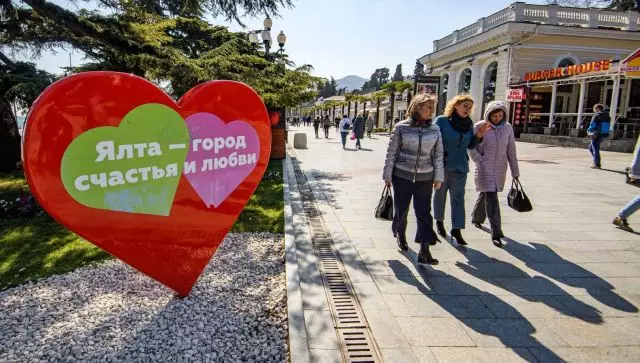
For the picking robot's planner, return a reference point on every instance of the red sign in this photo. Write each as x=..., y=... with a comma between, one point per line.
x=515, y=95
x=572, y=70
x=155, y=183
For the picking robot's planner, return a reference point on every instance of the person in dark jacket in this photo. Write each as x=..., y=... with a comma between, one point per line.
x=414, y=167
x=492, y=155
x=358, y=129
x=326, y=123
x=598, y=130
x=458, y=136
x=316, y=126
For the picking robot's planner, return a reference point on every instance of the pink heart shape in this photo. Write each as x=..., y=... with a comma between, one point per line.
x=229, y=165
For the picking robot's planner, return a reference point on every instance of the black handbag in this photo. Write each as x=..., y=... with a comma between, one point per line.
x=517, y=198
x=384, y=210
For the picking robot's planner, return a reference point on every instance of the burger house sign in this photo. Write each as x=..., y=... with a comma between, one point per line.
x=572, y=70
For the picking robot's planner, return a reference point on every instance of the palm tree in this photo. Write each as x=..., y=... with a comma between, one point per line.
x=378, y=97
x=364, y=99
x=390, y=89
x=350, y=98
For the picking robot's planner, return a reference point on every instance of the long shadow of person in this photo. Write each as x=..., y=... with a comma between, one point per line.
x=536, y=289
x=572, y=274
x=516, y=333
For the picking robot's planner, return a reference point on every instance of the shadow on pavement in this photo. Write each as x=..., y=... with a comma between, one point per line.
x=514, y=332
x=597, y=287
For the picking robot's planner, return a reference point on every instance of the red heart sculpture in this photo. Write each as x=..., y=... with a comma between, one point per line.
x=175, y=248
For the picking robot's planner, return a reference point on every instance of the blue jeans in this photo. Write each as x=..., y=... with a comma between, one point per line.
x=594, y=149
x=343, y=136
x=630, y=208
x=635, y=164
x=454, y=183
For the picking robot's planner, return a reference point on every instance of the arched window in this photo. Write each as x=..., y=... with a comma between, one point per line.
x=565, y=62
x=444, y=87
x=490, y=78
x=464, y=86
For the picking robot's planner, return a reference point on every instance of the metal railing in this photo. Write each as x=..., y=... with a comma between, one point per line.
x=544, y=14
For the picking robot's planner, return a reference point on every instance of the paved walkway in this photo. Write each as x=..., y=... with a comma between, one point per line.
x=566, y=285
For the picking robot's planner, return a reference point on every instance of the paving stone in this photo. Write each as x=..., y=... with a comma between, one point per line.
x=399, y=355
x=369, y=296
x=513, y=333
x=403, y=284
x=320, y=330
x=385, y=329
x=536, y=306
x=443, y=306
x=325, y=355
x=430, y=332
x=424, y=354
x=610, y=332
x=485, y=355
x=586, y=354
x=467, y=286
x=357, y=271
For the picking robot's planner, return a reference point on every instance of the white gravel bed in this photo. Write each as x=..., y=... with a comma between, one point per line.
x=236, y=312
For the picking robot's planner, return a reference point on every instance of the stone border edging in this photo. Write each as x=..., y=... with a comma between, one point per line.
x=298, y=345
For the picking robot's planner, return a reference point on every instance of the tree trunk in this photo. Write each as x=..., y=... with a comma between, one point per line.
x=393, y=103
x=364, y=109
x=9, y=139
x=378, y=113
x=409, y=96
x=355, y=111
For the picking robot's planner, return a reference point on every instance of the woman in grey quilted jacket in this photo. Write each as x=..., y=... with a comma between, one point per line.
x=497, y=149
x=414, y=167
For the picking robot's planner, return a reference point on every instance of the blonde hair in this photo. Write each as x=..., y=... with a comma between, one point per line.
x=418, y=101
x=448, y=110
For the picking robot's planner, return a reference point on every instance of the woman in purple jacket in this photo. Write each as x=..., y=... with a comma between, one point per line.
x=498, y=147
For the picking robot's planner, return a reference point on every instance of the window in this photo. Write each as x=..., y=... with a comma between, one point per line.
x=444, y=86
x=566, y=62
x=464, y=86
x=490, y=78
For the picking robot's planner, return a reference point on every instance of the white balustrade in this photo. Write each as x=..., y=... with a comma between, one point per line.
x=544, y=14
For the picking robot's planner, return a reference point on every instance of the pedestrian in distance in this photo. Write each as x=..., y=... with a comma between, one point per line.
x=337, y=123
x=633, y=175
x=597, y=131
x=369, y=126
x=345, y=126
x=326, y=124
x=458, y=136
x=358, y=130
x=316, y=126
x=413, y=168
x=491, y=156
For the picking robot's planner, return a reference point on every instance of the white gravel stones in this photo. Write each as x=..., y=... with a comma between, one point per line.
x=111, y=313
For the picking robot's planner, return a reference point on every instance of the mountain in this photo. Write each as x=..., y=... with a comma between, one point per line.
x=351, y=82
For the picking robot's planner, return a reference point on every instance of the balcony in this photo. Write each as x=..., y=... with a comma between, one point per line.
x=544, y=14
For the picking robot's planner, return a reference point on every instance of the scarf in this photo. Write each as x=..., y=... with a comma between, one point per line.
x=415, y=122
x=462, y=125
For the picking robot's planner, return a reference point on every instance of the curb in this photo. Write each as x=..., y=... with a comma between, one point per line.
x=298, y=345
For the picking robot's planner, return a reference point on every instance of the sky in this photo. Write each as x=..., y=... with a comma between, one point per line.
x=353, y=37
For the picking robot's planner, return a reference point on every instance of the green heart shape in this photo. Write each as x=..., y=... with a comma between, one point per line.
x=99, y=171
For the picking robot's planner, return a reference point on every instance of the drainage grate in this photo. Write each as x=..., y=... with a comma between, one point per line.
x=355, y=340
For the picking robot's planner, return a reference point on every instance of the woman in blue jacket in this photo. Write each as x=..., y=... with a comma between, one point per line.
x=457, y=137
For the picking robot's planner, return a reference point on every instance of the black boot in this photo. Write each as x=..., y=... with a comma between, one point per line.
x=496, y=238
x=441, y=230
x=455, y=233
x=424, y=256
x=402, y=242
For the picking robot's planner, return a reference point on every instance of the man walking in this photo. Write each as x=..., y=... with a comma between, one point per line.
x=316, y=126
x=326, y=123
x=598, y=130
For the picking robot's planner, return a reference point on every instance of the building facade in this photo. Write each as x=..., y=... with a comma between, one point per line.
x=552, y=63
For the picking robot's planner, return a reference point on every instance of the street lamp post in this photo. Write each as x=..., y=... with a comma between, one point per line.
x=278, y=129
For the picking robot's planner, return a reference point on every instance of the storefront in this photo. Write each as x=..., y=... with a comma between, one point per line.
x=559, y=101
x=551, y=64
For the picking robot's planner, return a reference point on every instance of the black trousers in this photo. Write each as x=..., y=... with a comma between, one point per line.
x=403, y=191
x=487, y=204
x=326, y=131
x=315, y=128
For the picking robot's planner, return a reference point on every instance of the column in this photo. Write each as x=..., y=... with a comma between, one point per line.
x=614, y=101
x=476, y=91
x=452, y=86
x=554, y=95
x=580, y=103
